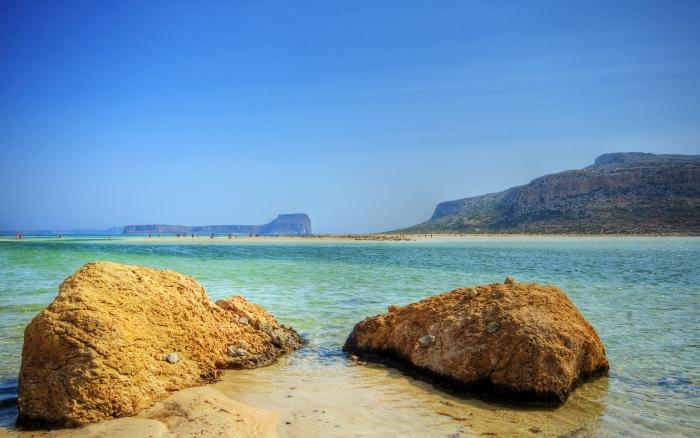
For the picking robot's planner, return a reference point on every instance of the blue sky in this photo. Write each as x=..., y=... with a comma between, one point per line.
x=363, y=115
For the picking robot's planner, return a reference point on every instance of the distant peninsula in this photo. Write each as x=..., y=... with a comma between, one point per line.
x=296, y=224
x=621, y=193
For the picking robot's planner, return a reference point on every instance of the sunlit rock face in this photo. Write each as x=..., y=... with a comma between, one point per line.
x=119, y=338
x=523, y=343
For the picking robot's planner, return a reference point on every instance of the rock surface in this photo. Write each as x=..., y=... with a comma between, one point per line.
x=523, y=343
x=118, y=338
x=620, y=193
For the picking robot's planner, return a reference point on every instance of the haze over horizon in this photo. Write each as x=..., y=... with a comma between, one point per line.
x=363, y=116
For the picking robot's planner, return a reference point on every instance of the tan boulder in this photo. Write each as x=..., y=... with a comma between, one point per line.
x=118, y=338
x=523, y=343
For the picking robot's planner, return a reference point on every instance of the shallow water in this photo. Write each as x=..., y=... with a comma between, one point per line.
x=641, y=294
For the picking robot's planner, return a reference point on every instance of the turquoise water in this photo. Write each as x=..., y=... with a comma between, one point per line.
x=641, y=294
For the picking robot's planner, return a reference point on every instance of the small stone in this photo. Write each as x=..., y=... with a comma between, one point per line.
x=426, y=341
x=243, y=320
x=509, y=280
x=172, y=357
x=236, y=351
x=353, y=357
x=470, y=293
x=278, y=340
x=492, y=327
x=243, y=345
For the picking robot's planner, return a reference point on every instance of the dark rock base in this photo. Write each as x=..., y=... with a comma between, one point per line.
x=483, y=389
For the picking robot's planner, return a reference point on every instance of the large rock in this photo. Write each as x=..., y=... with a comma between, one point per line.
x=516, y=342
x=118, y=338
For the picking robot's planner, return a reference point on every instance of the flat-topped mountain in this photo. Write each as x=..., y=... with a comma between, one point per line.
x=287, y=224
x=626, y=192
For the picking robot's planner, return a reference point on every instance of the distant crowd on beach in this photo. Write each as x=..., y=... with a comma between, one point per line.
x=196, y=236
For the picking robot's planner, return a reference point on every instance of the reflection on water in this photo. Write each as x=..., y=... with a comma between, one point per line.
x=641, y=294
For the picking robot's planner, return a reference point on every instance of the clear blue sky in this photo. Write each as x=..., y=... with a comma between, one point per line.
x=363, y=115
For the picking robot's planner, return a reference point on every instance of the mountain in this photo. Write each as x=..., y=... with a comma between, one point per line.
x=626, y=192
x=287, y=224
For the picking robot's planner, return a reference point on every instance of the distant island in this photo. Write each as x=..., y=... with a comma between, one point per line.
x=621, y=193
x=295, y=224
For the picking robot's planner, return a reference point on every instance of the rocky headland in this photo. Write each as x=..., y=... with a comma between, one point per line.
x=119, y=338
x=522, y=343
x=294, y=224
x=621, y=193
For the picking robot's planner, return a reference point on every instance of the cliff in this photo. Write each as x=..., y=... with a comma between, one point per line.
x=627, y=192
x=287, y=224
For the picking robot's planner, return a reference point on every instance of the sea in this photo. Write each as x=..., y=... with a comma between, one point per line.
x=641, y=294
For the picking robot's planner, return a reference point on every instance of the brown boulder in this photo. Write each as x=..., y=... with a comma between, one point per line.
x=520, y=342
x=118, y=338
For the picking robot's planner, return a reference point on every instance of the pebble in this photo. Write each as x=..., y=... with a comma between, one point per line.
x=470, y=293
x=426, y=341
x=172, y=357
x=243, y=320
x=509, y=280
x=278, y=340
x=492, y=327
x=236, y=351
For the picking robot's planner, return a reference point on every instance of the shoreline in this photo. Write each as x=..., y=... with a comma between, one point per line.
x=331, y=238
x=298, y=396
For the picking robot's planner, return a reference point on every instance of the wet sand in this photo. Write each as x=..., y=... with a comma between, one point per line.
x=364, y=400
